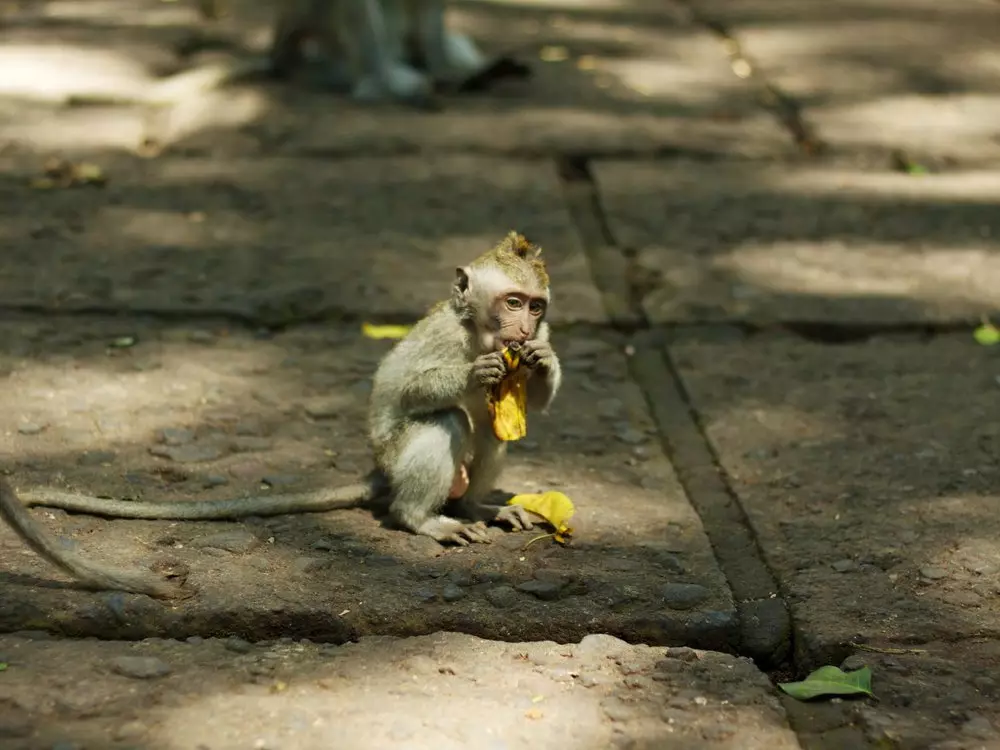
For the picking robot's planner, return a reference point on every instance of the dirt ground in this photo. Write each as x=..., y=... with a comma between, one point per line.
x=198, y=413
x=441, y=691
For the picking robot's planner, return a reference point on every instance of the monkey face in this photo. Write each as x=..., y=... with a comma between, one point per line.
x=516, y=315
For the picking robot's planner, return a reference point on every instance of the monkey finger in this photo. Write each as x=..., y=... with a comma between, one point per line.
x=476, y=532
x=518, y=518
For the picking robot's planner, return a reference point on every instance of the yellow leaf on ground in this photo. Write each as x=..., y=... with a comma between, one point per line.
x=553, y=506
x=374, y=331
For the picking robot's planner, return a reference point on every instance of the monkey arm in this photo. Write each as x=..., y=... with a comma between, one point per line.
x=435, y=388
x=546, y=377
x=543, y=385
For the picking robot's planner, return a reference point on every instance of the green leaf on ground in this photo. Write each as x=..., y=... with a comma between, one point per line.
x=987, y=334
x=830, y=681
x=3, y=666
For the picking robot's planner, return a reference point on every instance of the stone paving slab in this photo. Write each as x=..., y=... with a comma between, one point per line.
x=770, y=242
x=288, y=413
x=630, y=80
x=441, y=691
x=279, y=239
x=868, y=471
x=873, y=75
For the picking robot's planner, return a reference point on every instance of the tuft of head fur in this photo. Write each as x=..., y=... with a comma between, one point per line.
x=519, y=258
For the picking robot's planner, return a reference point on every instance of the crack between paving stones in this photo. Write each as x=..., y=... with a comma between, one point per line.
x=764, y=619
x=770, y=96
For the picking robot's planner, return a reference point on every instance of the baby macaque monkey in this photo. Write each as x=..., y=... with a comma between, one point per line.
x=428, y=424
x=373, y=46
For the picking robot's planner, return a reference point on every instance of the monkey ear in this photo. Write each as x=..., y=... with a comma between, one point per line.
x=461, y=280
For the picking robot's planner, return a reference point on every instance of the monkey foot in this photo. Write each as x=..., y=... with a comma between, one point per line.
x=460, y=483
x=518, y=518
x=445, y=529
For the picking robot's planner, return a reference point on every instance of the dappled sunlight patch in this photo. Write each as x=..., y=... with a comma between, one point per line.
x=871, y=269
x=954, y=185
x=55, y=73
x=957, y=124
x=86, y=401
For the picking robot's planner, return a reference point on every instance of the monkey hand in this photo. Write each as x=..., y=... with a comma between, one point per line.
x=489, y=369
x=537, y=354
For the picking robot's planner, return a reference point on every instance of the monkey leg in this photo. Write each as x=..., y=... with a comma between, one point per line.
x=448, y=57
x=384, y=75
x=422, y=473
x=483, y=474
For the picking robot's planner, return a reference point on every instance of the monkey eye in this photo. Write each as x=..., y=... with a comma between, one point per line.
x=537, y=307
x=514, y=303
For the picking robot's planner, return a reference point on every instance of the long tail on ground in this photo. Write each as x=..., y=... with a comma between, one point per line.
x=92, y=575
x=319, y=501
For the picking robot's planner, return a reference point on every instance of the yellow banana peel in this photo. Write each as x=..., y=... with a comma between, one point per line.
x=508, y=403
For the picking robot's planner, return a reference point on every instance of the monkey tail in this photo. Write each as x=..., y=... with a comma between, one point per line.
x=91, y=574
x=348, y=496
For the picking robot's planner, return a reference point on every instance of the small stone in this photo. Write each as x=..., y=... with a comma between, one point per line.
x=460, y=578
x=844, y=566
x=30, y=428
x=630, y=436
x=130, y=730
x=933, y=573
x=96, y=458
x=600, y=644
x=201, y=337
x=452, y=593
x=187, y=454
x=214, y=480
x=279, y=480
x=247, y=428
x=852, y=662
x=545, y=590
x=326, y=545
x=684, y=595
x=548, y=575
x=309, y=564
x=588, y=681
x=425, y=594
x=324, y=408
x=617, y=711
x=175, y=436
x=236, y=541
x=140, y=667
x=237, y=645
x=502, y=596
x=194, y=640
x=682, y=653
